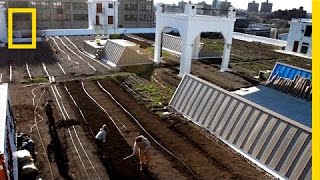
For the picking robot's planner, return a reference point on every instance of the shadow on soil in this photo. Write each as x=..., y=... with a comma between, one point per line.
x=19, y=57
x=59, y=154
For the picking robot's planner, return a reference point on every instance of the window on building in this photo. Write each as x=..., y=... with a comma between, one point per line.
x=80, y=17
x=308, y=31
x=99, y=7
x=146, y=7
x=59, y=11
x=80, y=6
x=128, y=17
x=130, y=6
x=304, y=49
x=97, y=20
x=110, y=19
x=110, y=5
x=145, y=18
x=295, y=46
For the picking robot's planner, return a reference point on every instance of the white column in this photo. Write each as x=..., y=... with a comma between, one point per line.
x=196, y=47
x=186, y=57
x=91, y=14
x=3, y=24
x=157, y=45
x=226, y=57
x=158, y=38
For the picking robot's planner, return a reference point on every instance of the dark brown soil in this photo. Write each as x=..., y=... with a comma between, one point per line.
x=207, y=158
x=116, y=148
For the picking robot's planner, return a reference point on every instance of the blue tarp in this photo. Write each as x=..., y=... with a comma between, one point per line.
x=288, y=71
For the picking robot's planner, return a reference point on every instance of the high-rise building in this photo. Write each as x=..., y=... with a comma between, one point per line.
x=224, y=7
x=266, y=7
x=253, y=7
x=215, y=4
x=136, y=13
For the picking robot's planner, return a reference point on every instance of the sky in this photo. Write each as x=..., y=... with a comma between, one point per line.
x=243, y=4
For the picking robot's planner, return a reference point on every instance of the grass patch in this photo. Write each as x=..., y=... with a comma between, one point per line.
x=165, y=53
x=115, y=36
x=216, y=45
x=116, y=76
x=35, y=80
x=157, y=95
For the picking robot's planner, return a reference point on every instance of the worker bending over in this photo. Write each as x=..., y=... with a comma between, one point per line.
x=101, y=137
x=142, y=147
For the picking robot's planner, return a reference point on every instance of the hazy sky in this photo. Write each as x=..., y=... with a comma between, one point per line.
x=243, y=4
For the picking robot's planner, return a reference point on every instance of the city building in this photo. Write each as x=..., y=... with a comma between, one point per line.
x=224, y=7
x=215, y=4
x=136, y=13
x=299, y=38
x=103, y=16
x=3, y=27
x=266, y=7
x=253, y=7
x=204, y=8
x=73, y=14
x=52, y=14
x=289, y=14
x=182, y=4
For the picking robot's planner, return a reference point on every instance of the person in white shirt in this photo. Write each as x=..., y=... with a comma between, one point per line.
x=101, y=137
x=142, y=147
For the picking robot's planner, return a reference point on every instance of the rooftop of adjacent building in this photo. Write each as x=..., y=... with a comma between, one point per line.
x=302, y=20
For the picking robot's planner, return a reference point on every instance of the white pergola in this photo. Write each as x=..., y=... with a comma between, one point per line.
x=190, y=26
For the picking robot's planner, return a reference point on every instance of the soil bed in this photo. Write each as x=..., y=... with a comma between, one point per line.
x=185, y=142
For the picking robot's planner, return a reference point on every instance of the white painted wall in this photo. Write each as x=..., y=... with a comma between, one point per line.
x=3, y=25
x=103, y=17
x=253, y=38
x=296, y=33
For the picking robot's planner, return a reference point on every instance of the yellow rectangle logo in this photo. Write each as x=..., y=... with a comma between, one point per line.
x=33, y=12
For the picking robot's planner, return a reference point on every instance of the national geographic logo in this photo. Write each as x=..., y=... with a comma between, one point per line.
x=33, y=13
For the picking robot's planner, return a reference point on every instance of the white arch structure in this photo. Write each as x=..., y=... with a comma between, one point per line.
x=190, y=26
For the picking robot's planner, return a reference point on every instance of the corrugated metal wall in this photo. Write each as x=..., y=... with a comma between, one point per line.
x=112, y=52
x=123, y=56
x=282, y=144
x=174, y=43
x=288, y=71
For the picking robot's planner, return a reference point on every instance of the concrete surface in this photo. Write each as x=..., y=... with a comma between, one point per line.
x=284, y=104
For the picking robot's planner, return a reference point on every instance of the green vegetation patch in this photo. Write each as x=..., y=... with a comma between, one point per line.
x=165, y=53
x=115, y=36
x=157, y=95
x=35, y=80
x=115, y=76
x=217, y=45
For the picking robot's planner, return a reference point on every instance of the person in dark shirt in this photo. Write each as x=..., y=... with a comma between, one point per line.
x=49, y=113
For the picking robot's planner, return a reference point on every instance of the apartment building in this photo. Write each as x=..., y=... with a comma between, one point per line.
x=52, y=14
x=300, y=36
x=73, y=14
x=136, y=13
